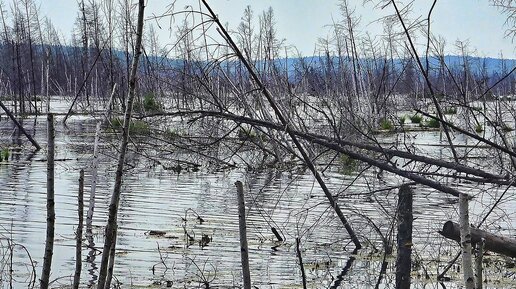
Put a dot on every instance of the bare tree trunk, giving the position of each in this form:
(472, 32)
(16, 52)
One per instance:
(403, 259)
(94, 174)
(111, 264)
(51, 215)
(300, 259)
(289, 130)
(244, 250)
(465, 242)
(20, 127)
(115, 198)
(78, 243)
(478, 264)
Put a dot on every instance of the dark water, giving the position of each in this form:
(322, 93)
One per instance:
(204, 205)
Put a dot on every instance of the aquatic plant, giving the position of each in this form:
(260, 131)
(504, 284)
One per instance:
(479, 128)
(506, 128)
(433, 123)
(386, 124)
(171, 134)
(347, 164)
(416, 118)
(4, 154)
(450, 110)
(150, 104)
(135, 127)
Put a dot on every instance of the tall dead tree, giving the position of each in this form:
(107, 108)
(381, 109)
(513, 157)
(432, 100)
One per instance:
(288, 129)
(51, 214)
(115, 198)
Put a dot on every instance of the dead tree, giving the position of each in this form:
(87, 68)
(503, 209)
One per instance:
(51, 214)
(78, 243)
(288, 129)
(115, 198)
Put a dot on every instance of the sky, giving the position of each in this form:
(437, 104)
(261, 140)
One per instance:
(302, 22)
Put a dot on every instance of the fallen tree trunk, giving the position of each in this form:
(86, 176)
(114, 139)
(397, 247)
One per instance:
(498, 244)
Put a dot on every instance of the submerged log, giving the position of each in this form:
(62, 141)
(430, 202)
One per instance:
(498, 244)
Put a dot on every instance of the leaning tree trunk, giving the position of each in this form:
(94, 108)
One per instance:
(51, 215)
(115, 198)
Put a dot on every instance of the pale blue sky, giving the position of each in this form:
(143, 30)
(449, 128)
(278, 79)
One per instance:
(302, 22)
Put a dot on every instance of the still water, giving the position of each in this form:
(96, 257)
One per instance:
(197, 212)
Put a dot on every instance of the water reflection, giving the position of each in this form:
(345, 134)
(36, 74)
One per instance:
(197, 212)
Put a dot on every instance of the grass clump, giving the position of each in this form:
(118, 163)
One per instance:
(506, 128)
(477, 108)
(450, 110)
(416, 118)
(171, 134)
(479, 128)
(150, 103)
(4, 154)
(386, 124)
(403, 119)
(147, 104)
(433, 123)
(347, 164)
(135, 126)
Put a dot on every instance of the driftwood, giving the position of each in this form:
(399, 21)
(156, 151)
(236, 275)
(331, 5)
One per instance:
(498, 244)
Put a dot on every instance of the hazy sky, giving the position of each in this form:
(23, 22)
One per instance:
(302, 22)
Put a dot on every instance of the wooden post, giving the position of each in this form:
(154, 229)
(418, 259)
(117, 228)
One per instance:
(465, 242)
(300, 258)
(478, 264)
(78, 243)
(51, 215)
(244, 250)
(404, 238)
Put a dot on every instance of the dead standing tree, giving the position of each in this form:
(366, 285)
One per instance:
(111, 228)
(288, 129)
(51, 214)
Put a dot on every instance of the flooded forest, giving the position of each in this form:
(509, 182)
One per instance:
(222, 157)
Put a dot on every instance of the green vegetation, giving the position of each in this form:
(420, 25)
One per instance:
(4, 154)
(386, 124)
(347, 164)
(416, 118)
(251, 134)
(170, 134)
(135, 127)
(450, 110)
(506, 128)
(433, 123)
(477, 108)
(150, 104)
(479, 128)
(403, 119)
